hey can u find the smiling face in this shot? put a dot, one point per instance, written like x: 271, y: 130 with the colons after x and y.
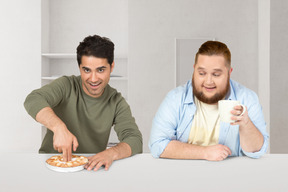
x: 95, y: 75
x: 210, y: 79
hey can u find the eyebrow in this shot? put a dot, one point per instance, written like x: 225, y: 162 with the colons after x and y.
x: 85, y: 68
x: 102, y: 67
x: 218, y: 70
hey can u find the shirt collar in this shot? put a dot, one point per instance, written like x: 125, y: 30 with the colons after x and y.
x: 230, y: 95
x: 189, y: 93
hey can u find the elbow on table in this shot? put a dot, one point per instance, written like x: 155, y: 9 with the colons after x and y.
x: 260, y: 153
x: 156, y: 149
x: 154, y: 154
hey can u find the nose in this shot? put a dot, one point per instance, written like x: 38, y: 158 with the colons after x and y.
x: 209, y: 79
x: 94, y: 77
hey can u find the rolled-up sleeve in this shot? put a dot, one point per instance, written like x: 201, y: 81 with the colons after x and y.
x: 256, y: 115
x: 164, y: 126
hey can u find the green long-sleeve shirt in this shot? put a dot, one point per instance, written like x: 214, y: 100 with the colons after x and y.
x: 89, y: 119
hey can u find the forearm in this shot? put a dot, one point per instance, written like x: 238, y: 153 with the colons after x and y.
x: 49, y: 119
x: 179, y: 150
x: 120, y: 151
x: 251, y: 139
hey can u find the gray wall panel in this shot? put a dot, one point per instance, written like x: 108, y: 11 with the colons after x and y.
x: 279, y: 78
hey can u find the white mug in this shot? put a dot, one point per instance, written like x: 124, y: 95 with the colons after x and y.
x: 225, y: 107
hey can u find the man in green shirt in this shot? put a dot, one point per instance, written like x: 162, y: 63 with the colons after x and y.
x: 80, y: 111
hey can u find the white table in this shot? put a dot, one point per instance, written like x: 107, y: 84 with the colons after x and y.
x: 27, y: 172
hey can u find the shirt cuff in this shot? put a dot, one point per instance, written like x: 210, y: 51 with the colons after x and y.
x: 157, y: 148
x: 135, y: 144
x: 258, y: 154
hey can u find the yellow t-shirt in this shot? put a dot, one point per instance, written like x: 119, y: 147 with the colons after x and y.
x: 205, y: 125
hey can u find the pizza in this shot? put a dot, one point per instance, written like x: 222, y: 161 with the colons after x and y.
x: 58, y: 161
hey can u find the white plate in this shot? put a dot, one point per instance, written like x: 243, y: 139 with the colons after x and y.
x: 65, y: 169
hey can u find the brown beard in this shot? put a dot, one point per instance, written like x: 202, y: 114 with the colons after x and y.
x: 215, y: 98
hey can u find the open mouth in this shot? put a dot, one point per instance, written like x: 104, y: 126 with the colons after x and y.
x: 95, y: 85
x: 209, y: 89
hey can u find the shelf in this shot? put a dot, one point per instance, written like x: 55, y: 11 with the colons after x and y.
x: 59, y: 55
x: 50, y: 78
x: 118, y: 78
x: 111, y: 78
x: 72, y: 56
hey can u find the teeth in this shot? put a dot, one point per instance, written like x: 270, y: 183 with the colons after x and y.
x: 94, y: 84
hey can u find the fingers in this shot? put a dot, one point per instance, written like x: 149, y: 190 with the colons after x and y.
x: 65, y: 154
x: 69, y: 154
x: 107, y: 166
x: 94, y: 164
x: 97, y: 163
x: 75, y: 144
x: 236, y: 112
x: 63, y: 142
x: 100, y: 164
x: 218, y: 152
x: 236, y: 117
x: 227, y: 150
x: 91, y: 163
x: 89, y: 166
x: 238, y: 107
x: 223, y: 156
x: 223, y: 152
x: 58, y: 149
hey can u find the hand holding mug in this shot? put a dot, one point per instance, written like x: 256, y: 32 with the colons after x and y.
x: 241, y: 119
x: 233, y: 112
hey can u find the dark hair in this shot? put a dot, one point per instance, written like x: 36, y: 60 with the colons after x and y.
x: 214, y: 48
x: 96, y: 46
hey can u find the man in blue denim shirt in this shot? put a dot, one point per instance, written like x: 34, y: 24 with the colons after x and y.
x: 187, y: 124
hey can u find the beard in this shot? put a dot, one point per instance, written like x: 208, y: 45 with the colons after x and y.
x: 215, y: 98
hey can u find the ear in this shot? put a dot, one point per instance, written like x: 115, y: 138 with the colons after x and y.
x: 230, y: 71
x: 112, y: 67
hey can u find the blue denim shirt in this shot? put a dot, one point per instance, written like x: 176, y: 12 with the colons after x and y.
x: 174, y: 119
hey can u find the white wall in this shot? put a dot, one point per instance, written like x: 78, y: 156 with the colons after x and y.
x: 65, y: 23
x: 153, y: 27
x: 20, y: 47
x: 72, y: 20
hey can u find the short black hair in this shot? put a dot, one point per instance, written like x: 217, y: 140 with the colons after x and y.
x: 101, y: 47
